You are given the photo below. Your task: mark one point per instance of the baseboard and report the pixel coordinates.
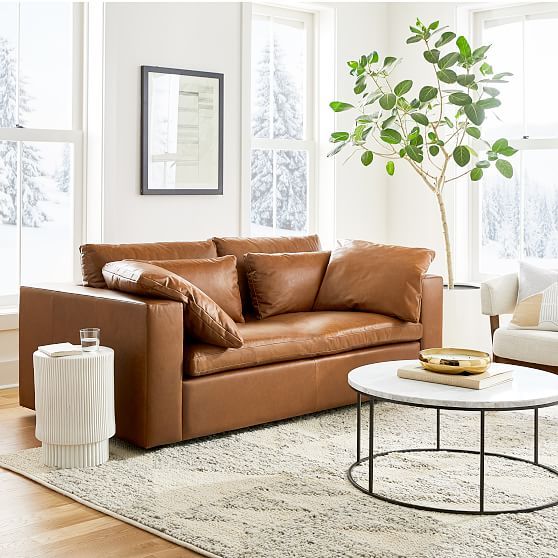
(9, 376)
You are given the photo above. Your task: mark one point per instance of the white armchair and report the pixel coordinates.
(527, 347)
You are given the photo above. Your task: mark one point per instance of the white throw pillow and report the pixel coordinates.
(537, 301)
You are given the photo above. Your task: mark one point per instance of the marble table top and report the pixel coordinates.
(529, 388)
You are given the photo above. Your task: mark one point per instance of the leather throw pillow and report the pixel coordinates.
(375, 278)
(216, 277)
(283, 283)
(537, 301)
(203, 317)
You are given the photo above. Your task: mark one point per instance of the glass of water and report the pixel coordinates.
(90, 339)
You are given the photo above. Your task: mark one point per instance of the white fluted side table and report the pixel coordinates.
(74, 403)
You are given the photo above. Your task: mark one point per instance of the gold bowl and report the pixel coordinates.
(454, 361)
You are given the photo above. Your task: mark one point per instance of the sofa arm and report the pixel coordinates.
(431, 316)
(499, 295)
(147, 338)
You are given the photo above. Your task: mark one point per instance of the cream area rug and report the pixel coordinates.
(281, 490)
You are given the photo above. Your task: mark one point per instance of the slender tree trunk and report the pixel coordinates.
(447, 241)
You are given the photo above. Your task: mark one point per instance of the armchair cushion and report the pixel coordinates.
(539, 347)
(375, 278)
(499, 295)
(203, 317)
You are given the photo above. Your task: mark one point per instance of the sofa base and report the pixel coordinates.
(238, 399)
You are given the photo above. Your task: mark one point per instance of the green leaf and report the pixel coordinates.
(388, 121)
(492, 156)
(460, 99)
(448, 60)
(413, 39)
(366, 158)
(414, 153)
(427, 93)
(359, 88)
(373, 57)
(390, 136)
(390, 168)
(420, 118)
(463, 46)
(433, 25)
(389, 62)
(387, 101)
(432, 55)
(373, 96)
(447, 76)
(476, 174)
(479, 53)
(489, 103)
(505, 168)
(508, 151)
(339, 136)
(486, 69)
(338, 106)
(358, 133)
(466, 79)
(502, 75)
(474, 113)
(448, 121)
(492, 91)
(444, 39)
(483, 164)
(434, 150)
(403, 87)
(473, 132)
(499, 144)
(336, 149)
(461, 155)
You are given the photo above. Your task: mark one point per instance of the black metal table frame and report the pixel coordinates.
(481, 453)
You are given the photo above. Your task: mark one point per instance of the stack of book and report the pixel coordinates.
(497, 373)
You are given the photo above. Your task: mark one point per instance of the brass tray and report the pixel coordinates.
(454, 361)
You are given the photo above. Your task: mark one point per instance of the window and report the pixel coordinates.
(282, 146)
(518, 218)
(40, 143)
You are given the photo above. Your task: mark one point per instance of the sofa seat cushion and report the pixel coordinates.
(300, 335)
(527, 345)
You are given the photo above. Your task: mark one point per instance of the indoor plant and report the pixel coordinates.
(432, 131)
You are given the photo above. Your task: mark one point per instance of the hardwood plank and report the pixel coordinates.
(36, 522)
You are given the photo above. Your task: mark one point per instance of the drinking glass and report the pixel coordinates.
(90, 339)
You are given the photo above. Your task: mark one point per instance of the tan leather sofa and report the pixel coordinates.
(169, 387)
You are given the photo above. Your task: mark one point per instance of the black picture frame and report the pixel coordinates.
(145, 189)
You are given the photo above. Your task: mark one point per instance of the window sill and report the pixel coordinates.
(9, 318)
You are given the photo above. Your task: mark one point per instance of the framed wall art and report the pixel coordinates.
(181, 131)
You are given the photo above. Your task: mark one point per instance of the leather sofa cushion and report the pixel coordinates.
(289, 337)
(216, 277)
(282, 283)
(375, 278)
(95, 256)
(203, 318)
(240, 246)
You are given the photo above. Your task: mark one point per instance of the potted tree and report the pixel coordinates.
(429, 129)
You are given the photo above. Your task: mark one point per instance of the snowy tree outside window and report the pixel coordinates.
(37, 144)
(280, 157)
(519, 217)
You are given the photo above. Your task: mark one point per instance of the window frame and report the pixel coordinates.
(309, 141)
(524, 143)
(73, 136)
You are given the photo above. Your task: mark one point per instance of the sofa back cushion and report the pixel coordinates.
(216, 277)
(265, 245)
(204, 319)
(95, 256)
(375, 278)
(283, 283)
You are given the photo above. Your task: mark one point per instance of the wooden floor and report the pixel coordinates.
(38, 522)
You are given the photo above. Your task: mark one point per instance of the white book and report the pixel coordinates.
(60, 349)
(496, 374)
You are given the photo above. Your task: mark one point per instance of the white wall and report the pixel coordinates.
(195, 36)
(361, 201)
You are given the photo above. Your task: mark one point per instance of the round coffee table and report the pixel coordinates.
(529, 389)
